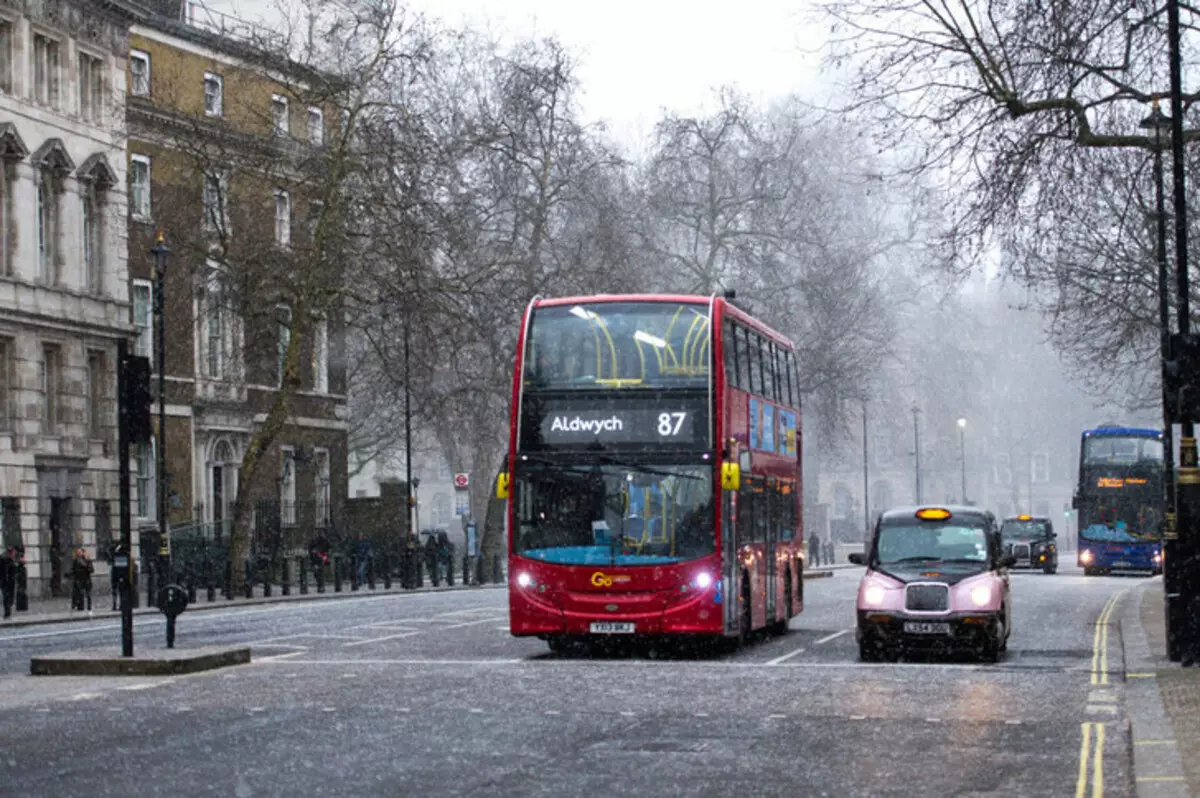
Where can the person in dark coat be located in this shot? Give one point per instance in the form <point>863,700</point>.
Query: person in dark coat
<point>8,579</point>
<point>81,581</point>
<point>814,551</point>
<point>431,559</point>
<point>362,555</point>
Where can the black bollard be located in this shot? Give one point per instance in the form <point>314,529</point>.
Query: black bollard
<point>22,597</point>
<point>266,575</point>
<point>286,577</point>
<point>466,569</point>
<point>227,588</point>
<point>191,590</point>
<point>320,572</point>
<point>387,571</point>
<point>354,585</point>
<point>249,581</point>
<point>337,574</point>
<point>371,572</point>
<point>302,569</point>
<point>134,595</point>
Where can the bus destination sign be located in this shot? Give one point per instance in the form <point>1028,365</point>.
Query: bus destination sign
<point>571,424</point>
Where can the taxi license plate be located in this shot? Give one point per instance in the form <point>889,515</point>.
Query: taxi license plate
<point>611,628</point>
<point>921,628</point>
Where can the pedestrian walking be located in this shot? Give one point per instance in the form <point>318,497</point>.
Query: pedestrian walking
<point>431,559</point>
<point>830,557</point>
<point>81,579</point>
<point>8,579</point>
<point>814,551</point>
<point>362,555</point>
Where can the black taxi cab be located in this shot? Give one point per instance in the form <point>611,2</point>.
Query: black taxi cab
<point>1031,541</point>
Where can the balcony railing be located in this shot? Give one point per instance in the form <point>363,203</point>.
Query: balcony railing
<point>200,16</point>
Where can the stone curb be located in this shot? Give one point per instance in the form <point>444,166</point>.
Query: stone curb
<point>224,604</point>
<point>170,662</point>
<point>1155,753</point>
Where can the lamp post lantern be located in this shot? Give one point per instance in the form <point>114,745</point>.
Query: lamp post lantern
<point>161,253</point>
<point>962,455</point>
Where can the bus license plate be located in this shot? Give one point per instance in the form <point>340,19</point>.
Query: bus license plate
<point>920,628</point>
<point>611,628</point>
<point>1121,564</point>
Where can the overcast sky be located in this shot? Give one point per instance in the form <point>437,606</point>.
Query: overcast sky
<point>639,56</point>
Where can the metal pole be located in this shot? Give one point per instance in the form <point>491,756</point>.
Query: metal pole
<point>917,451</point>
<point>160,252</point>
<point>962,455</point>
<point>123,498</point>
<point>866,480</point>
<point>1183,636</point>
<point>407,440</point>
<point>1164,314</point>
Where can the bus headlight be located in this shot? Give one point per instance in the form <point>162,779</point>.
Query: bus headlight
<point>702,580</point>
<point>1085,556</point>
<point>1157,558</point>
<point>524,579</point>
<point>981,595</point>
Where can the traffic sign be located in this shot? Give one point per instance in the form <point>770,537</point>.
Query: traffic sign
<point>461,481</point>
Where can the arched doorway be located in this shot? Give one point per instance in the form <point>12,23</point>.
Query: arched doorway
<point>222,481</point>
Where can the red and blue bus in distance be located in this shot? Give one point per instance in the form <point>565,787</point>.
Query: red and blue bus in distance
<point>1121,499</point>
<point>653,475</point>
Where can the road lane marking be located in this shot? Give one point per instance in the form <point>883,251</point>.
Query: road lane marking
<point>344,662</point>
<point>1098,763</point>
<point>1091,760</point>
<point>379,639</point>
<point>786,657</point>
<point>1154,742</point>
<point>833,636</point>
<point>471,623</point>
<point>1141,676</point>
<point>1100,640</point>
<point>84,696</point>
<point>1084,751</point>
<point>1160,778</point>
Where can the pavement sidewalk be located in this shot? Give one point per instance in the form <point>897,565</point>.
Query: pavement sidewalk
<point>58,610</point>
<point>1162,702</point>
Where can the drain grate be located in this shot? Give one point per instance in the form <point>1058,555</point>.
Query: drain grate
<point>669,746</point>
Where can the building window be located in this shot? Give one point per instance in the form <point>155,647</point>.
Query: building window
<point>214,95</point>
<point>8,173</point>
<point>6,56</point>
<point>321,356</point>
<point>139,187</point>
<point>143,309</point>
<point>1039,467</point>
<point>216,349</point>
<point>49,194</point>
<point>102,513</point>
<point>6,355</point>
<point>145,481</point>
<point>321,469</point>
<point>214,202</point>
<point>51,387</point>
<point>10,521</point>
<point>283,218</point>
<point>316,126</point>
<point>315,209</point>
<point>93,237</point>
<point>285,336</point>
<point>46,75</point>
<point>139,73</point>
<point>97,393</point>
<point>279,115</point>
<point>287,487</point>
<point>91,88</point>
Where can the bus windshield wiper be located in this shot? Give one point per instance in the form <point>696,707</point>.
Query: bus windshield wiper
<point>610,460</point>
<point>920,558</point>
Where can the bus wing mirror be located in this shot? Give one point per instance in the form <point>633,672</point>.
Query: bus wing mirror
<point>731,476</point>
<point>502,485</point>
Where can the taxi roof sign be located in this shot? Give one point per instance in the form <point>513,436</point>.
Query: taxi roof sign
<point>933,513</point>
<point>1023,517</point>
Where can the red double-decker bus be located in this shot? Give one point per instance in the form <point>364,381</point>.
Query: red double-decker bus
<point>653,476</point>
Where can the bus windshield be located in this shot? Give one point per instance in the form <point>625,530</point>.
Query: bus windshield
<point>613,515</point>
<point>618,345</point>
<point>1098,450</point>
<point>1122,518</point>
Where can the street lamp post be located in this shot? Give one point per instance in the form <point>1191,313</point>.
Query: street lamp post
<point>866,478</point>
<point>962,455</point>
<point>161,252</point>
<point>917,450</point>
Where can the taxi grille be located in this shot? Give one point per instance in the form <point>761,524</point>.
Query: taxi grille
<point>1021,551</point>
<point>927,597</point>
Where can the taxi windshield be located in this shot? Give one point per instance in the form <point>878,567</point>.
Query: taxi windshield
<point>1024,529</point>
<point>915,542</point>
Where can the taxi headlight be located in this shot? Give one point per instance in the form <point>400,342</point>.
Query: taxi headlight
<point>874,595</point>
<point>981,595</point>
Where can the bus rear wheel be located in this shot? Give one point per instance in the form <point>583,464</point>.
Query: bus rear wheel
<point>1090,571</point>
<point>747,618</point>
<point>780,627</point>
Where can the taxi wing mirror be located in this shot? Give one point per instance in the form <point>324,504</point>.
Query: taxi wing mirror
<point>503,483</point>
<point>731,476</point>
<point>1008,561</point>
<point>858,558</point>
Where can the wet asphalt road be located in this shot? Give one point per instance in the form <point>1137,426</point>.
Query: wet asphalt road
<point>428,694</point>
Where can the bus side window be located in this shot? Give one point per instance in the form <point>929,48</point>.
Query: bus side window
<point>787,504</point>
<point>731,369</point>
<point>768,368</point>
<point>745,512</point>
<point>753,374</point>
<point>790,377</point>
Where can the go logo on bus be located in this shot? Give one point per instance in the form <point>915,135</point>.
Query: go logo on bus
<point>601,579</point>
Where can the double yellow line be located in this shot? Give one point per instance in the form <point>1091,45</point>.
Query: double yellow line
<point>1091,761</point>
<point>1100,641</point>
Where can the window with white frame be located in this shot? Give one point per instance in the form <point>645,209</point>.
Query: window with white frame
<point>215,196</point>
<point>93,201</point>
<point>139,73</point>
<point>216,325</point>
<point>283,218</point>
<point>280,125</point>
<point>287,486</point>
<point>8,179</point>
<point>91,87</point>
<point>97,392</point>
<point>321,356</point>
<point>143,310</point>
<point>139,186</point>
<point>6,355</point>
<point>6,56</point>
<point>285,336</point>
<point>51,387</point>
<point>47,76</point>
<point>214,94</point>
<point>321,474</point>
<point>49,196</point>
<point>316,126</point>
<point>145,481</point>
<point>1039,467</point>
